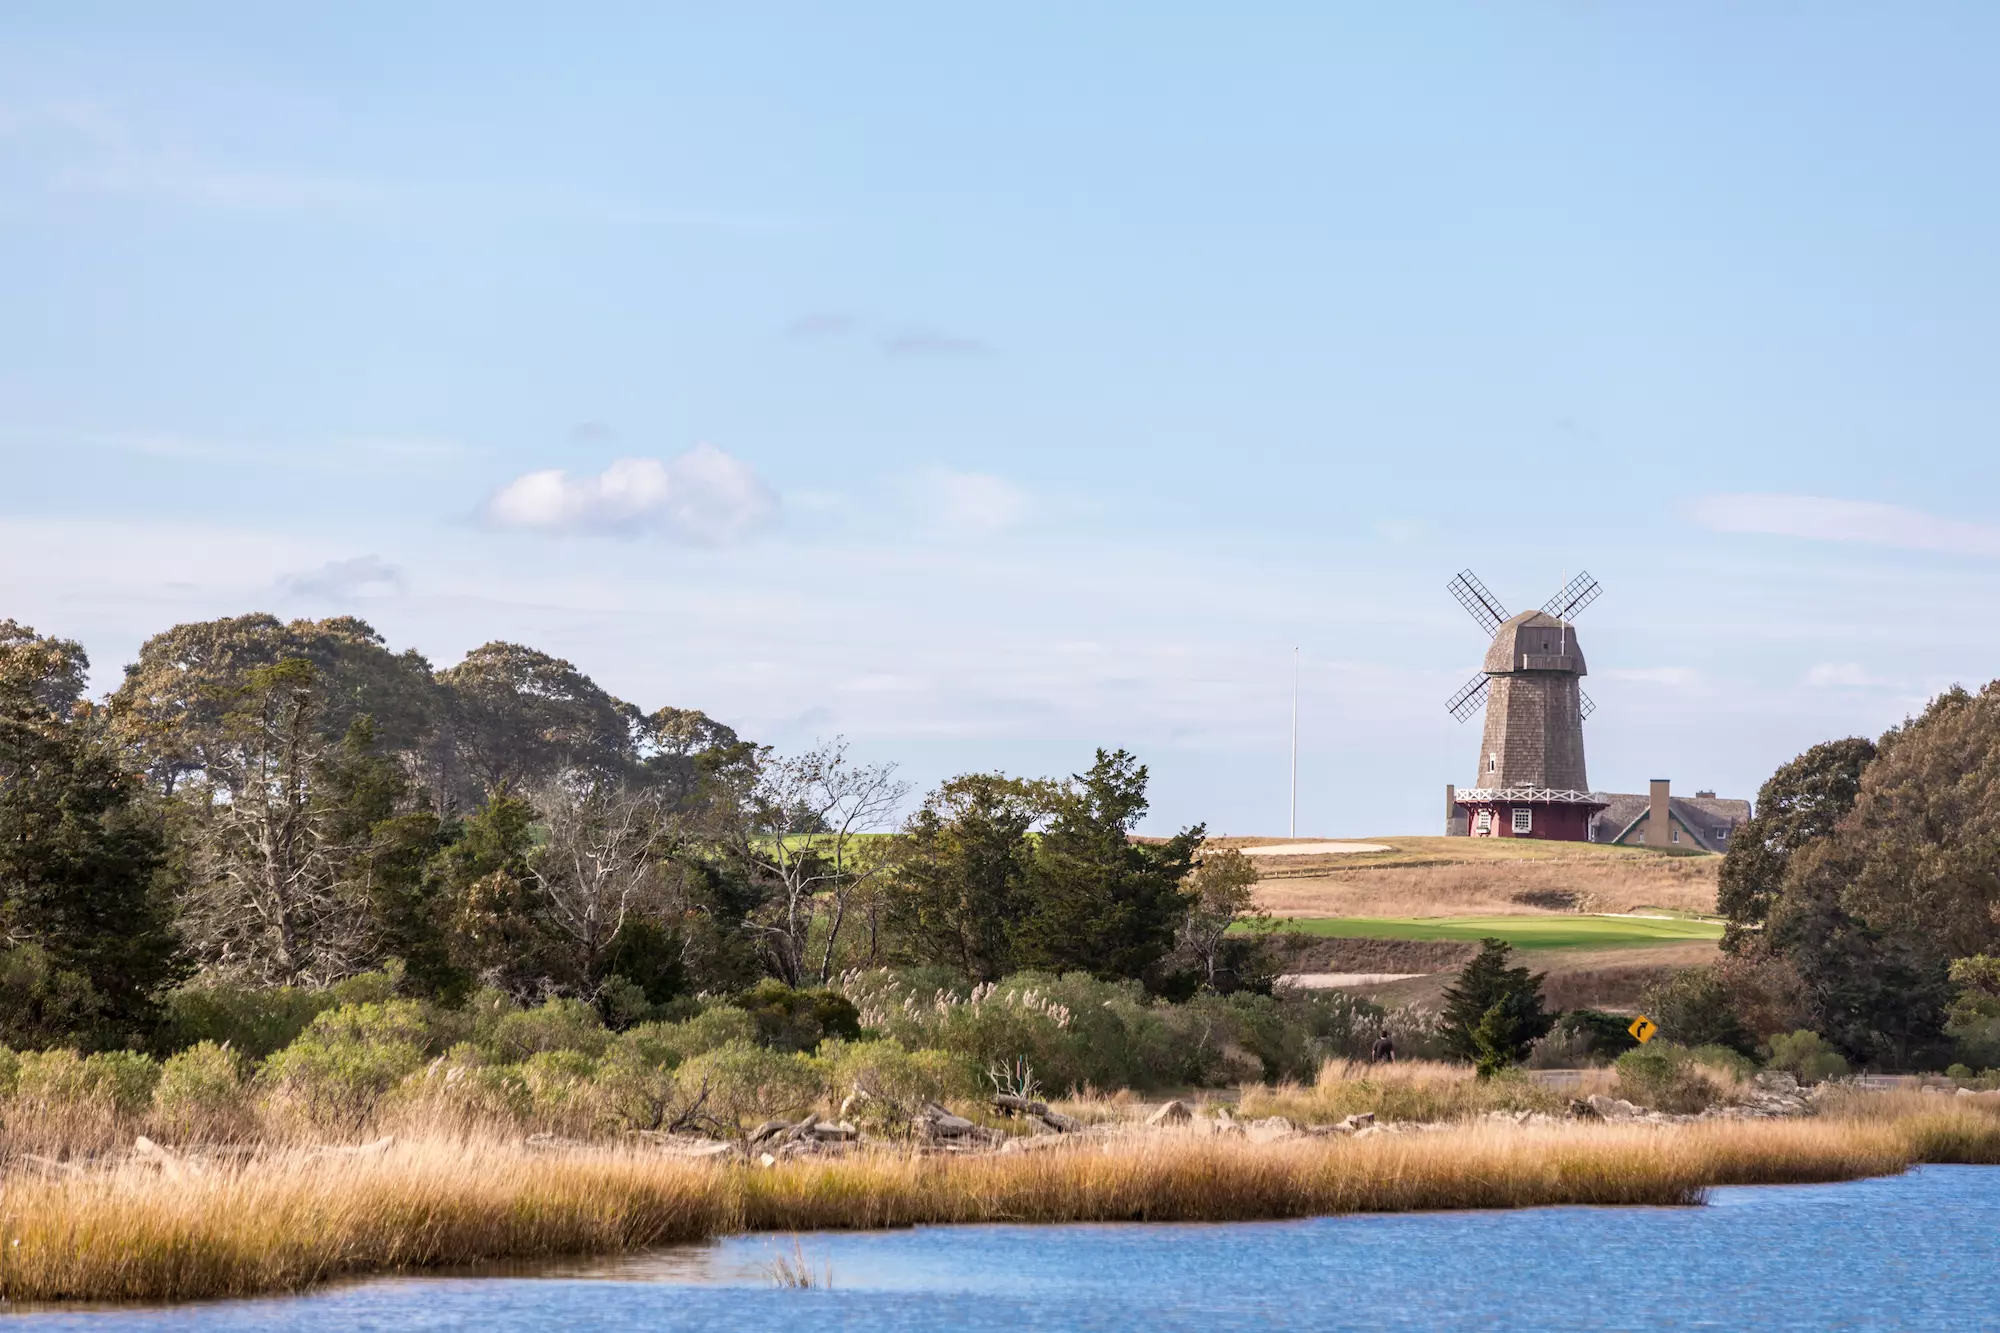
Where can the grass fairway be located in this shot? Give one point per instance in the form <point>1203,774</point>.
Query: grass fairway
<point>1523,932</point>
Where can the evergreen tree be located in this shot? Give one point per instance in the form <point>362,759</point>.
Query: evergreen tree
<point>1095,900</point>
<point>1494,1012</point>
<point>80,858</point>
<point>963,872</point>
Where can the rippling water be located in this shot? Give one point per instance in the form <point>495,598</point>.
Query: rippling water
<point>1920,1251</point>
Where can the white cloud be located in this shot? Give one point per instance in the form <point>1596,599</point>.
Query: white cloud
<point>704,497</point>
<point>341,579</point>
<point>1821,518</point>
<point>1847,676</point>
<point>970,502</point>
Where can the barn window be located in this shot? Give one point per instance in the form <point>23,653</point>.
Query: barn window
<point>1524,820</point>
<point>1485,823</point>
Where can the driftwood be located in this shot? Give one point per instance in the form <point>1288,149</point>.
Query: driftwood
<point>1006,1103</point>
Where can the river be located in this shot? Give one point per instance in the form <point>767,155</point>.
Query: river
<point>1918,1251</point>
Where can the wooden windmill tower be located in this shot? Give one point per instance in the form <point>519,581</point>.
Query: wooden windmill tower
<point>1531,781</point>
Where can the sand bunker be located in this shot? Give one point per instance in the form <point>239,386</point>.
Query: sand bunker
<point>1314,849</point>
<point>1333,980</point>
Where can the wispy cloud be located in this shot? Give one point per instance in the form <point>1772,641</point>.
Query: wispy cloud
<point>975,503</point>
<point>338,580</point>
<point>1673,677</point>
<point>891,339</point>
<point>1821,518</point>
<point>360,455</point>
<point>704,497</point>
<point>933,342</point>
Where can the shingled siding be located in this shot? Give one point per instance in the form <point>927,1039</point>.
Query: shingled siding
<point>1535,732</point>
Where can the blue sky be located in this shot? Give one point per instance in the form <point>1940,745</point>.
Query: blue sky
<point>989,387</point>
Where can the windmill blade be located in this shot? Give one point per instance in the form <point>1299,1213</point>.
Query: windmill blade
<point>1480,604</point>
<point>1585,705</point>
<point>1578,593</point>
<point>1470,698</point>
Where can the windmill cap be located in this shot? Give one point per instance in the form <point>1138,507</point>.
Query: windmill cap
<point>1534,641</point>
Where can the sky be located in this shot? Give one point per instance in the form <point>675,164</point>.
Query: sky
<point>989,384</point>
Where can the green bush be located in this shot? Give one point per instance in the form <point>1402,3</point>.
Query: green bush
<point>798,1020</point>
<point>1694,1008</point>
<point>200,1093</point>
<point>253,1020</point>
<point>42,1004</point>
<point>461,1086</point>
<point>740,1085</point>
<point>1806,1056</point>
<point>10,1071</point>
<point>51,1082</point>
<point>562,1090</point>
<point>558,1025</point>
<point>665,1045</point>
<point>346,1060</point>
<point>1727,1059</point>
<point>1661,1075</point>
<point>882,1087</point>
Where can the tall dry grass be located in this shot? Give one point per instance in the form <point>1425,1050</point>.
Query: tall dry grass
<point>290,1219</point>
<point>1413,1090</point>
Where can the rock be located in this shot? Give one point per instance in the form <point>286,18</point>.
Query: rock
<point>1776,1080</point>
<point>767,1160</point>
<point>1369,1131</point>
<point>1357,1122</point>
<point>828,1132</point>
<point>1177,1113</point>
<point>1612,1108</point>
<point>1579,1109</point>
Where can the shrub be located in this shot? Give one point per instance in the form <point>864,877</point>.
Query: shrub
<point>461,1088</point>
<point>667,1044</point>
<point>112,1082</point>
<point>1695,1008</point>
<point>1806,1056</point>
<point>558,1025</point>
<point>1661,1075</point>
<point>42,1003</point>
<point>252,1020</point>
<point>1493,1013</point>
<point>200,1094</point>
<point>740,1085</point>
<point>798,1020</point>
<point>562,1090</point>
<point>1726,1060</point>
<point>332,1077</point>
<point>10,1071</point>
<point>882,1087</point>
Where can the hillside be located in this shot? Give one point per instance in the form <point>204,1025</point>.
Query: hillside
<point>1477,877</point>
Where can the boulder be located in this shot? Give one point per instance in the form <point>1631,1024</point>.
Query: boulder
<point>1776,1080</point>
<point>1177,1113</point>
<point>1612,1108</point>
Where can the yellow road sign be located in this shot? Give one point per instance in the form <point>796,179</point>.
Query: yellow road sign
<point>1643,1028</point>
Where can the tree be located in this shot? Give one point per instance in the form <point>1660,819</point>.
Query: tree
<point>88,938</point>
<point>172,706</point>
<point>1221,893</point>
<point>1494,1010</point>
<point>599,867</point>
<point>1696,1007</point>
<point>958,882</point>
<point>1799,803</point>
<point>805,818</point>
<point>1095,900</point>
<point>520,719</point>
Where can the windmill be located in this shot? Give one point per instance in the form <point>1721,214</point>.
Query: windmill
<point>1531,780</point>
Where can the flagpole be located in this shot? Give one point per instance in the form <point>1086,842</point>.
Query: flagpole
<point>1293,826</point>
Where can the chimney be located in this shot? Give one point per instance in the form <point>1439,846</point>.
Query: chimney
<point>1451,828</point>
<point>1658,821</point>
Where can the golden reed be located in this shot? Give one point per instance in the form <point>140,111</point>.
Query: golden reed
<point>289,1219</point>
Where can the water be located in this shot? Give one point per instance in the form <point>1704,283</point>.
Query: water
<point>1919,1251</point>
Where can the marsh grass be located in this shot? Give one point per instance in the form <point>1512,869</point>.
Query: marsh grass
<point>289,1219</point>
<point>795,1270</point>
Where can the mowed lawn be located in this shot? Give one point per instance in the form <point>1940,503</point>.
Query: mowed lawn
<point>1523,932</point>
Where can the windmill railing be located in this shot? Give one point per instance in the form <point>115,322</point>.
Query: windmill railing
<point>1545,795</point>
